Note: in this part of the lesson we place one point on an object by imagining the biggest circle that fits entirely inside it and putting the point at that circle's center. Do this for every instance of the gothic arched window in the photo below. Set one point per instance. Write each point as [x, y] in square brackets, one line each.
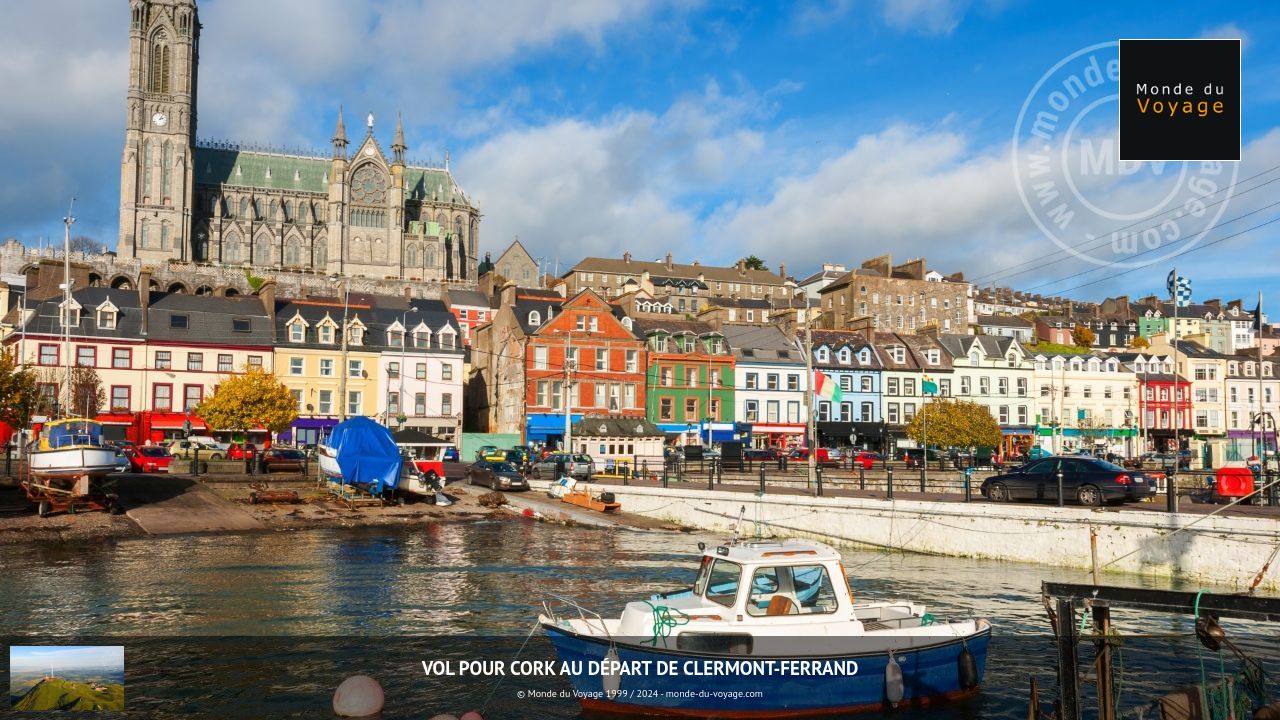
[159, 80]
[164, 235]
[430, 256]
[273, 209]
[262, 251]
[148, 157]
[293, 253]
[287, 210]
[231, 248]
[321, 253]
[244, 208]
[166, 170]
[142, 236]
[411, 255]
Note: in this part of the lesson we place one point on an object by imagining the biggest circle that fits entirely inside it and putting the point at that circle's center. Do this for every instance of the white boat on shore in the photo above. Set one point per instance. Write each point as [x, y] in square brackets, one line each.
[72, 449]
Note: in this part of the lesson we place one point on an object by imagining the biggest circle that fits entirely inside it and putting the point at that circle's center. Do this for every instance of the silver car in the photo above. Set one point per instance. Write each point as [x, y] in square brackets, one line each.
[578, 466]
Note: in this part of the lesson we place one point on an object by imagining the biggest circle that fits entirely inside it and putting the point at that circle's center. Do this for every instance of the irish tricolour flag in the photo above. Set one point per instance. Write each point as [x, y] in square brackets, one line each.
[827, 388]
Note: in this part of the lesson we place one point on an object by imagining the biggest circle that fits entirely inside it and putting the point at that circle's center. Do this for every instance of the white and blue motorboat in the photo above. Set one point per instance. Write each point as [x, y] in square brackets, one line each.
[770, 629]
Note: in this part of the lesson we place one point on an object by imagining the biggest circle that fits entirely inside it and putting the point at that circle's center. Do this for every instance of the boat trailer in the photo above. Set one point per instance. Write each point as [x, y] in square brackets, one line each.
[82, 495]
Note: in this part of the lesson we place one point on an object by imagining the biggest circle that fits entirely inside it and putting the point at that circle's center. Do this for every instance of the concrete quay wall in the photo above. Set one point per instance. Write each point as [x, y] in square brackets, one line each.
[1226, 551]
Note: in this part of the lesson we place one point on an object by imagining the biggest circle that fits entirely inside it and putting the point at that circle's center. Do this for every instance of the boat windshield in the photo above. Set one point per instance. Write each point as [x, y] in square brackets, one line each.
[720, 583]
[791, 590]
[75, 432]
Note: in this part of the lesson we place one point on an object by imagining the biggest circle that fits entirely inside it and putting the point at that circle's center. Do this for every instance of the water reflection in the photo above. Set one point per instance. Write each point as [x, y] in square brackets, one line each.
[298, 606]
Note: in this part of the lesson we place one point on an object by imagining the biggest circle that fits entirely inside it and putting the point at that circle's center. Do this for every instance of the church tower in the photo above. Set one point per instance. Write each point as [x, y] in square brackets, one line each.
[160, 130]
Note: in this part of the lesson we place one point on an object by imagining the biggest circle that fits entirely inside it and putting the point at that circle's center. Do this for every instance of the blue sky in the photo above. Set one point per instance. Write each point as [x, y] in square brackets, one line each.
[801, 132]
[65, 657]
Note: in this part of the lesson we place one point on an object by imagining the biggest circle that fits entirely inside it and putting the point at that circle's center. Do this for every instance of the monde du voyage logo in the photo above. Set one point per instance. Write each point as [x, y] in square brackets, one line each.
[1180, 100]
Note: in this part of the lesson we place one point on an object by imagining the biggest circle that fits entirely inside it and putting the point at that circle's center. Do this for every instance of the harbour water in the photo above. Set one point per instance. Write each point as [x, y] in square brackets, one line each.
[266, 625]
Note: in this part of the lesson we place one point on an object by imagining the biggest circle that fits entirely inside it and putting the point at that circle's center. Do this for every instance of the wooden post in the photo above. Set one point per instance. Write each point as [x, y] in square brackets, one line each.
[1068, 679]
[1106, 682]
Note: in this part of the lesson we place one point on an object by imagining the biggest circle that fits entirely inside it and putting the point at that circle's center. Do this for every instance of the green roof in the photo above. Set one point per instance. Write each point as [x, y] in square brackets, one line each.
[427, 184]
[264, 171]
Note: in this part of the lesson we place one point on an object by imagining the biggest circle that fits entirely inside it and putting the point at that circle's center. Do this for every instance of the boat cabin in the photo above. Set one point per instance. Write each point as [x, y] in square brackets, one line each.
[70, 433]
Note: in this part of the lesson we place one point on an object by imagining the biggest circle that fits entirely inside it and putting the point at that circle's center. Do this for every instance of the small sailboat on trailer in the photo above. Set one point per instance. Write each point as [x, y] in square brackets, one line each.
[770, 629]
[71, 449]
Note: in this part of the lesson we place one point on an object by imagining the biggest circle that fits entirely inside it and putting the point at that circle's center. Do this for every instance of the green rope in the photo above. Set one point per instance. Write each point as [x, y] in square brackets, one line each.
[927, 619]
[664, 621]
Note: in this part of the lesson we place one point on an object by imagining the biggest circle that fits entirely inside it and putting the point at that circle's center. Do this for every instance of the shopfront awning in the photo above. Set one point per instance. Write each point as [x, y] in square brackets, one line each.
[539, 425]
[176, 421]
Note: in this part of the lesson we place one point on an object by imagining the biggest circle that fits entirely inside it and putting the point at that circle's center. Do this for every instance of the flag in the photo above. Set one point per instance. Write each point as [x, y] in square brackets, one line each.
[1257, 316]
[928, 387]
[827, 388]
[1179, 288]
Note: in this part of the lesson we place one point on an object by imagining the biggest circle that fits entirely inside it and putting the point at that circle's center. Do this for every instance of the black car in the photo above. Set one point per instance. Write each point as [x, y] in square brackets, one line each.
[1086, 480]
[496, 475]
[760, 454]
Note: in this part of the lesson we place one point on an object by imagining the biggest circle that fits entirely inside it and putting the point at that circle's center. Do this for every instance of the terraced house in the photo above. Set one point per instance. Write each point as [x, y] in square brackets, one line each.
[850, 360]
[995, 372]
[690, 380]
[1087, 402]
[420, 373]
[770, 383]
[908, 360]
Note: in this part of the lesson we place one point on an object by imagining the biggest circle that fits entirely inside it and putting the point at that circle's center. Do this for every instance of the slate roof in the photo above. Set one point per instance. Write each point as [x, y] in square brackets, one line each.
[376, 320]
[547, 303]
[466, 298]
[678, 270]
[209, 319]
[748, 303]
[296, 173]
[1196, 350]
[764, 344]
[44, 319]
[837, 339]
[913, 358]
[991, 345]
[655, 323]
[1011, 321]
[615, 426]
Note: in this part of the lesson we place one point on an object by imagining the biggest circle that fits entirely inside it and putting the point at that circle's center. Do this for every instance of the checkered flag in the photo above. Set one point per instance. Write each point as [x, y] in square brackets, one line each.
[1179, 289]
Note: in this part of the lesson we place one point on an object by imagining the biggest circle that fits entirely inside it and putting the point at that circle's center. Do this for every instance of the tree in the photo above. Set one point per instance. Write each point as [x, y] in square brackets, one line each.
[751, 262]
[1082, 336]
[87, 245]
[19, 390]
[1139, 342]
[87, 396]
[955, 423]
[252, 399]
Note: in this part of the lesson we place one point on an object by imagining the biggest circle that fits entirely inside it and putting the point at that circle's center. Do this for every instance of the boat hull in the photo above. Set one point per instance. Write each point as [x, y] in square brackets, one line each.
[328, 460]
[73, 462]
[930, 673]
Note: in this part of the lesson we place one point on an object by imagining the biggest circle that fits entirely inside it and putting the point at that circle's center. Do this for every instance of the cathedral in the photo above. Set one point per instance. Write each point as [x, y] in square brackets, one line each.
[356, 212]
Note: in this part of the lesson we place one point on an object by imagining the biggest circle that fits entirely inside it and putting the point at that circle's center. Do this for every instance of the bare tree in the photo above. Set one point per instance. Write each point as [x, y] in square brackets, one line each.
[87, 245]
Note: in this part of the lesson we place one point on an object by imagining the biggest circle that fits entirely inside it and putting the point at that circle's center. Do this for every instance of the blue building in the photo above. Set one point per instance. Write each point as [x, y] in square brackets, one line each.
[852, 362]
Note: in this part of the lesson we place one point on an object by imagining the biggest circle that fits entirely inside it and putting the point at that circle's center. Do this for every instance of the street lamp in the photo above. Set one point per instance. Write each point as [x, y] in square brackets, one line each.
[404, 341]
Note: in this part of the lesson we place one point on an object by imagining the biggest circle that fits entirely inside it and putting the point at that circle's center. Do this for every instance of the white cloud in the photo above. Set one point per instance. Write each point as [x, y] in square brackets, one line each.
[932, 17]
[1227, 31]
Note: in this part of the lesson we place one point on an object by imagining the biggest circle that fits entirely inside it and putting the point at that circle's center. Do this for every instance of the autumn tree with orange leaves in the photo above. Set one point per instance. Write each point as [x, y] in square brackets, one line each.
[249, 400]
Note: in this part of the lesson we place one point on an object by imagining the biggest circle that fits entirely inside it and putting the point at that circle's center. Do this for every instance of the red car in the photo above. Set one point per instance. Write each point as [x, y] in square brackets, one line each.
[825, 457]
[866, 459]
[148, 459]
[240, 451]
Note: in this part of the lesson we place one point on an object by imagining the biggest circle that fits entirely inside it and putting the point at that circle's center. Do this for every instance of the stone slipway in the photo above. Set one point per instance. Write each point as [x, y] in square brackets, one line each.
[174, 505]
[557, 511]
[1225, 550]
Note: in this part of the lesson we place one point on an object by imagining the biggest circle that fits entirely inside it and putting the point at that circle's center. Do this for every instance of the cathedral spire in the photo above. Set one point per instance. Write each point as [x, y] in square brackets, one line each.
[397, 145]
[340, 137]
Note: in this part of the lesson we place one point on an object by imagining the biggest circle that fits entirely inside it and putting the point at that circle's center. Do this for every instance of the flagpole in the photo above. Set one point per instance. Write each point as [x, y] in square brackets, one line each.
[808, 396]
[1262, 426]
[1177, 410]
[924, 435]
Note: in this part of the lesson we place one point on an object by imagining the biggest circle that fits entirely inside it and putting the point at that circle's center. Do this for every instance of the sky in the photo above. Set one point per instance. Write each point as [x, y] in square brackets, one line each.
[65, 657]
[802, 132]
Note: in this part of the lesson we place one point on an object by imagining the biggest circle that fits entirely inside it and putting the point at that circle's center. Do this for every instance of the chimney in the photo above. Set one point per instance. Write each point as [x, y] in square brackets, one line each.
[626, 257]
[267, 294]
[913, 269]
[742, 267]
[669, 265]
[1215, 303]
[144, 298]
[782, 270]
[882, 265]
[508, 294]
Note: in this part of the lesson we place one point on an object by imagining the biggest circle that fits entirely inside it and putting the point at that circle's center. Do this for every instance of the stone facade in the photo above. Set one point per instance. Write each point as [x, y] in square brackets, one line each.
[879, 296]
[359, 214]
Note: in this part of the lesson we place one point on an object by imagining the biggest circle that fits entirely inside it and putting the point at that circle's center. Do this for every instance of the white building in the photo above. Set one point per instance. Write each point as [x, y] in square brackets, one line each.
[769, 384]
[420, 383]
[996, 372]
[1085, 402]
[1246, 383]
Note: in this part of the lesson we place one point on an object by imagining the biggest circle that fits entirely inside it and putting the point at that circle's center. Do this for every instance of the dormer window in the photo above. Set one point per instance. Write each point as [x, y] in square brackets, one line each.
[845, 356]
[297, 332]
[535, 319]
[898, 353]
[421, 338]
[395, 337]
[626, 323]
[823, 355]
[106, 319]
[975, 357]
[326, 333]
[448, 340]
[931, 356]
[864, 357]
[355, 336]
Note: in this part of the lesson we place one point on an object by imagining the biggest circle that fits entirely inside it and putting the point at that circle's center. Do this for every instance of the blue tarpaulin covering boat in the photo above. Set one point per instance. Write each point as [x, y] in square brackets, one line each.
[362, 452]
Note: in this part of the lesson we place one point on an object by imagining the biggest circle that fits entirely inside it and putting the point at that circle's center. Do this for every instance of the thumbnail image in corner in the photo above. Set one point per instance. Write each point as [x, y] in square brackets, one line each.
[66, 677]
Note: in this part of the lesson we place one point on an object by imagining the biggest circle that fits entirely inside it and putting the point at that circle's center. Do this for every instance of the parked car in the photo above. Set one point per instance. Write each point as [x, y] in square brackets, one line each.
[241, 451]
[187, 449]
[496, 475]
[1086, 480]
[866, 459]
[578, 466]
[280, 459]
[491, 452]
[913, 456]
[450, 454]
[1038, 453]
[518, 456]
[208, 443]
[825, 457]
[760, 454]
[122, 461]
[149, 459]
